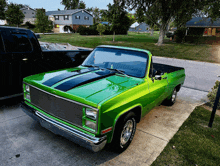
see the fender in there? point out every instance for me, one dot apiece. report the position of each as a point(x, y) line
point(123, 113)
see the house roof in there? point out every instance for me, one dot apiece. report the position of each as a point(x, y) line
point(134, 25)
point(27, 8)
point(202, 22)
point(66, 12)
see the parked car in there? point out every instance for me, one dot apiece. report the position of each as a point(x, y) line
point(102, 100)
point(21, 56)
point(170, 34)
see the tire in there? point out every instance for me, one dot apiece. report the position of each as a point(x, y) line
point(172, 99)
point(124, 133)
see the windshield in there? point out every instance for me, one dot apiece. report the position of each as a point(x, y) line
point(132, 63)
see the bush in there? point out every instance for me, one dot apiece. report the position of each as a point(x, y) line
point(29, 25)
point(88, 31)
point(108, 30)
point(67, 27)
point(212, 95)
point(180, 35)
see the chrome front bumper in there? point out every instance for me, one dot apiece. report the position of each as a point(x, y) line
point(92, 143)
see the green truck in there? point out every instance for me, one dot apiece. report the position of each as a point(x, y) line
point(102, 100)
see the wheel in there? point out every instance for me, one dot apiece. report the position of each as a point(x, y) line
point(124, 133)
point(172, 99)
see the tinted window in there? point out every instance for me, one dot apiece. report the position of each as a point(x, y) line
point(17, 43)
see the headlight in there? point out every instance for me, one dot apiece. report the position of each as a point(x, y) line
point(90, 113)
point(27, 88)
point(90, 124)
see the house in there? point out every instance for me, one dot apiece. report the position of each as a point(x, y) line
point(204, 25)
point(3, 22)
point(73, 18)
point(30, 14)
point(139, 27)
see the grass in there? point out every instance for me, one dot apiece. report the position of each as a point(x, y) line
point(138, 40)
point(195, 143)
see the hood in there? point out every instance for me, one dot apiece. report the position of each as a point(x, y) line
point(86, 85)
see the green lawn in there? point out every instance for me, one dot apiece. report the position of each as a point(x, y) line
point(195, 143)
point(138, 40)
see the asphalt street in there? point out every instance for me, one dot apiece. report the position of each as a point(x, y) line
point(199, 75)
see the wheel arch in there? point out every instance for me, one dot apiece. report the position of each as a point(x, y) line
point(137, 110)
point(178, 87)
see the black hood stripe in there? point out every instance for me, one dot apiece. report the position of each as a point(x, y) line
point(84, 79)
point(64, 76)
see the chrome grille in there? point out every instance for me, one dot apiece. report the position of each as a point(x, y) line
point(57, 107)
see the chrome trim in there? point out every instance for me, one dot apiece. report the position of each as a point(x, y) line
point(96, 131)
point(71, 130)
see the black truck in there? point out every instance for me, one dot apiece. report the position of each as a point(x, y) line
point(21, 56)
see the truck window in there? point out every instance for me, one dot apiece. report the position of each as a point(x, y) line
point(18, 43)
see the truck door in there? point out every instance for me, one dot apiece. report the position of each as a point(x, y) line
point(17, 50)
point(157, 88)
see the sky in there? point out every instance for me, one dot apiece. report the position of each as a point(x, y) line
point(51, 5)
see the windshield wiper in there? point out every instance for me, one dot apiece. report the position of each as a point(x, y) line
point(91, 66)
point(119, 71)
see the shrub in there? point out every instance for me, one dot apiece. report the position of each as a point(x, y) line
point(101, 28)
point(29, 25)
point(212, 94)
point(88, 31)
point(180, 35)
point(67, 27)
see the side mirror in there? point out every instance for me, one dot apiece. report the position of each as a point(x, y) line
point(157, 77)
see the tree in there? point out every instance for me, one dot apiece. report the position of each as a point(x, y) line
point(101, 28)
point(23, 5)
point(70, 4)
point(82, 5)
point(96, 15)
point(14, 15)
point(118, 18)
point(165, 10)
point(42, 23)
point(2, 9)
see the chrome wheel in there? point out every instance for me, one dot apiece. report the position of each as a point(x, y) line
point(173, 98)
point(126, 132)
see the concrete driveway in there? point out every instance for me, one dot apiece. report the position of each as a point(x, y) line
point(24, 142)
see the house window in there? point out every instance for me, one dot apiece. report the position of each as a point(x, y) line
point(77, 17)
point(24, 12)
point(32, 13)
point(66, 17)
point(56, 17)
point(86, 18)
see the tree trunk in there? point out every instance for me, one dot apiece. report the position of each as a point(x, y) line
point(152, 32)
point(114, 36)
point(162, 34)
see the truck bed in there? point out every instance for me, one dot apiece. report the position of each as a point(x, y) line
point(166, 68)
